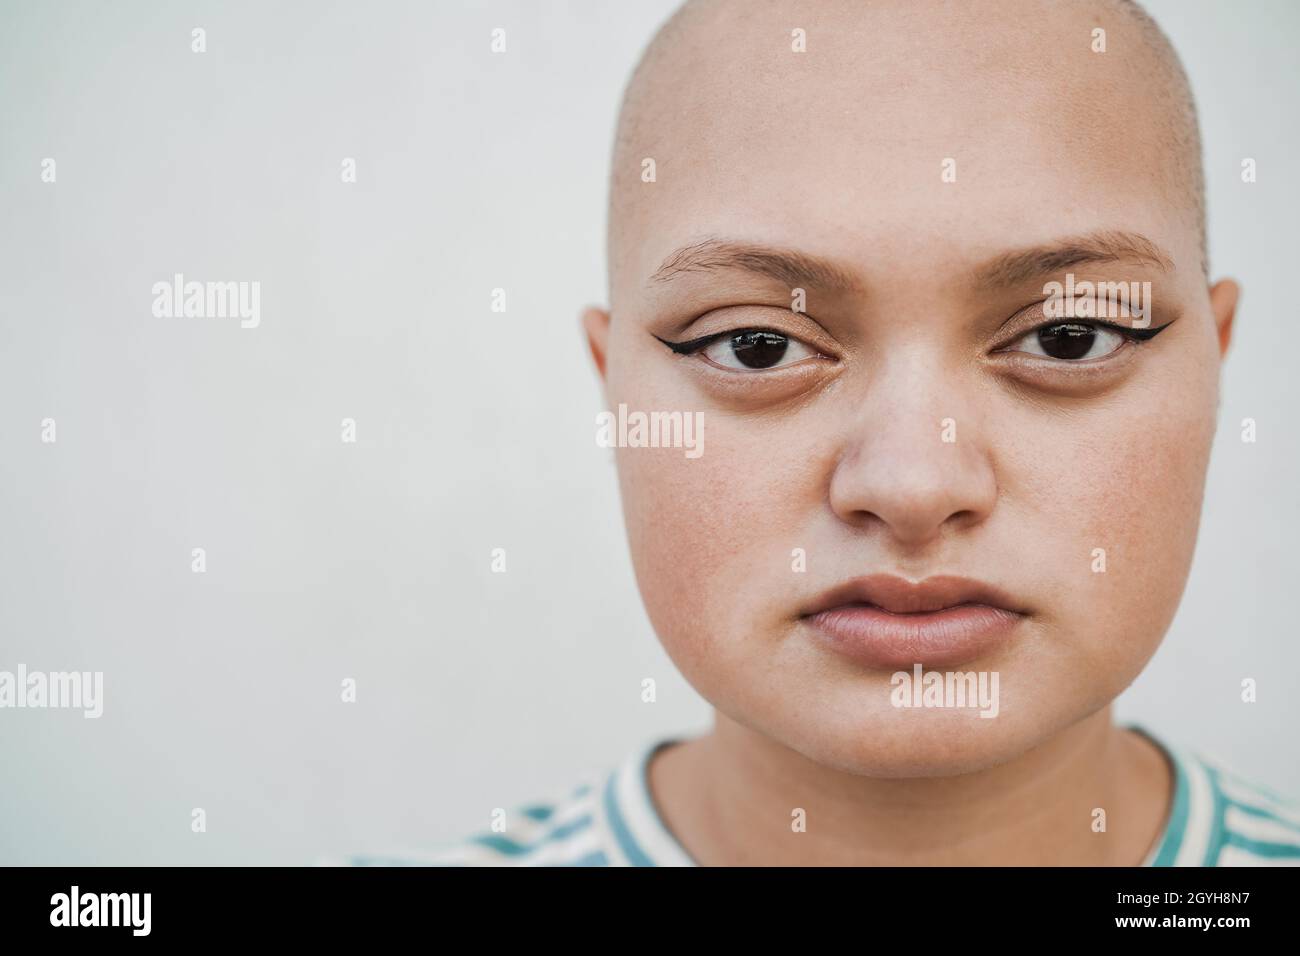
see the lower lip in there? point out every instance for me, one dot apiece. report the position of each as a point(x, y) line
point(884, 640)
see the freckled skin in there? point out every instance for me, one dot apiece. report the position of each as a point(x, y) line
point(837, 152)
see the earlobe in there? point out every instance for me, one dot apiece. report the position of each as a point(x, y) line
point(1223, 305)
point(595, 323)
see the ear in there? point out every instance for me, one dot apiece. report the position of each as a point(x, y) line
point(1223, 304)
point(595, 323)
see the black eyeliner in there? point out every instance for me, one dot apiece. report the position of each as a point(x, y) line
point(693, 345)
point(1141, 335)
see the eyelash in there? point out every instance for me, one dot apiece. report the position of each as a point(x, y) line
point(1135, 336)
point(693, 346)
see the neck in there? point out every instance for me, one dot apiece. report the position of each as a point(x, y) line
point(730, 798)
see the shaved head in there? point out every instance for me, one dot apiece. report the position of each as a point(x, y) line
point(725, 66)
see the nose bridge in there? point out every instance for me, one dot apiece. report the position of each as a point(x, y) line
point(914, 457)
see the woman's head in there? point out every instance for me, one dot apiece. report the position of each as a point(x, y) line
point(879, 218)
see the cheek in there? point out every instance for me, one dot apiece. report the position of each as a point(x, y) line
point(1126, 488)
point(711, 537)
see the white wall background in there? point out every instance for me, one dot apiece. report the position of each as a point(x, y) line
point(371, 561)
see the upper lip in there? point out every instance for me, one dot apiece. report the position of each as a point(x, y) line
point(902, 596)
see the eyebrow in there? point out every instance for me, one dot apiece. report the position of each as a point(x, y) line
point(785, 265)
point(1014, 268)
point(795, 268)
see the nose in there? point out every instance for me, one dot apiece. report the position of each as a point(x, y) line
point(914, 463)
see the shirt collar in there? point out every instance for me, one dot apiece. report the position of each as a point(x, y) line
point(1188, 835)
point(639, 832)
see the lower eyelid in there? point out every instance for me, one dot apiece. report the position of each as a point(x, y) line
point(774, 370)
point(1061, 370)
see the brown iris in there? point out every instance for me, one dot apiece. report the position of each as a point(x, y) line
point(759, 349)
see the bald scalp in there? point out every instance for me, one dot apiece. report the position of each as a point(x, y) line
point(1178, 114)
point(697, 27)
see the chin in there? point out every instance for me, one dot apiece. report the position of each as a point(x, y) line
point(909, 743)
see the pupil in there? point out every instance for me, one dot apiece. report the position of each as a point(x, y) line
point(1067, 341)
point(759, 349)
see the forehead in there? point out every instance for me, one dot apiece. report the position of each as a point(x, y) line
point(843, 149)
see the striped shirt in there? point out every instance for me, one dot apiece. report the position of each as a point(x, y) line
point(1217, 819)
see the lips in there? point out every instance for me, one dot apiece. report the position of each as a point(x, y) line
point(888, 622)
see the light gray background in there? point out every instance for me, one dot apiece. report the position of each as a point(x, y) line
point(371, 560)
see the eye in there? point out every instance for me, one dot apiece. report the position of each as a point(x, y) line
point(756, 349)
point(1073, 341)
point(747, 350)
